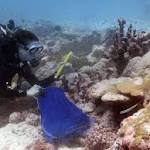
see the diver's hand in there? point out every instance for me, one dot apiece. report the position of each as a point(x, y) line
point(35, 90)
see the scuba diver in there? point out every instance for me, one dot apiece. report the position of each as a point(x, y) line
point(18, 50)
point(60, 118)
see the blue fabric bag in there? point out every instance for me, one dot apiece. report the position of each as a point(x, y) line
point(60, 118)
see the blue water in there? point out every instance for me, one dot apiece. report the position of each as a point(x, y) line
point(93, 13)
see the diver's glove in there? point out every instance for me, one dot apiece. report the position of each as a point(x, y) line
point(35, 91)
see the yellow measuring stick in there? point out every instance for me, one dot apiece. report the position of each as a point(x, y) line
point(61, 67)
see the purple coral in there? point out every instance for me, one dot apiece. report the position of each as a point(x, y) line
point(103, 133)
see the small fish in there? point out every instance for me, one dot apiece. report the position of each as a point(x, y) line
point(128, 110)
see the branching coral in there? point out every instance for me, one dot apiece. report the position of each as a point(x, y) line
point(128, 44)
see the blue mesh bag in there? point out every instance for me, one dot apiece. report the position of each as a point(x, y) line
point(60, 118)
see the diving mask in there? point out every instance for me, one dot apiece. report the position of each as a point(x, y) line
point(30, 52)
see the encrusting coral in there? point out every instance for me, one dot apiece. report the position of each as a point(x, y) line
point(134, 133)
point(103, 133)
point(125, 86)
point(128, 44)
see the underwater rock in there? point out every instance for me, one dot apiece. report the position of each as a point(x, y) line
point(98, 52)
point(103, 133)
point(114, 98)
point(133, 87)
point(76, 84)
point(99, 89)
point(135, 131)
point(104, 68)
point(82, 45)
point(40, 145)
point(45, 71)
point(138, 66)
point(86, 69)
point(32, 119)
point(72, 78)
point(123, 94)
point(87, 107)
point(123, 85)
point(18, 136)
point(68, 69)
point(70, 148)
point(130, 68)
point(50, 43)
point(15, 117)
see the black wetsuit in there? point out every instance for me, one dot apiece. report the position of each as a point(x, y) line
point(10, 65)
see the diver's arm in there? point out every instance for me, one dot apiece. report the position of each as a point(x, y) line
point(32, 79)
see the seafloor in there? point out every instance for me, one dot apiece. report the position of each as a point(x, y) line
point(108, 78)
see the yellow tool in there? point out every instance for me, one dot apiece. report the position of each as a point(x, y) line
point(61, 67)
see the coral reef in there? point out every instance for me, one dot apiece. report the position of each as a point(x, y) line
point(138, 66)
point(127, 86)
point(18, 135)
point(108, 78)
point(98, 52)
point(15, 117)
point(45, 69)
point(103, 69)
point(135, 131)
point(40, 145)
point(122, 93)
point(78, 83)
point(103, 133)
point(128, 44)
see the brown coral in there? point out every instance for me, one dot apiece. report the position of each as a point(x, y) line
point(127, 45)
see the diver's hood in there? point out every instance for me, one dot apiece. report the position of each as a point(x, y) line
point(25, 37)
point(30, 48)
